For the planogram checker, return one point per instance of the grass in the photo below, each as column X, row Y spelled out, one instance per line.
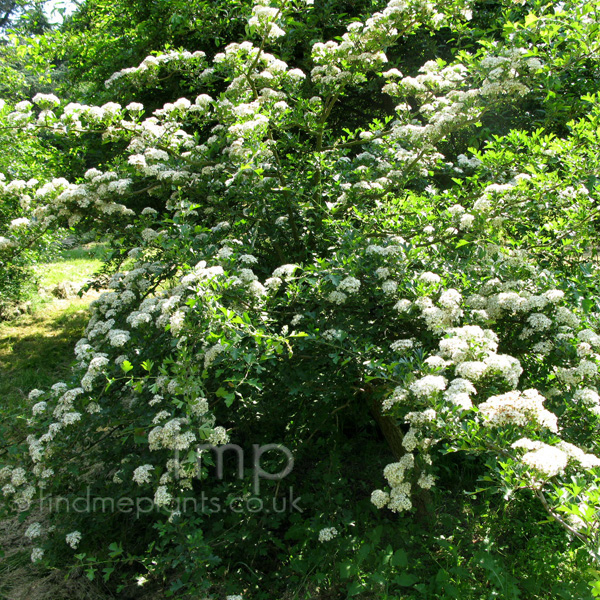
column 36, row 350
column 75, row 264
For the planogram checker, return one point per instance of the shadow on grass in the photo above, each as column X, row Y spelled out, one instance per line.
column 36, row 351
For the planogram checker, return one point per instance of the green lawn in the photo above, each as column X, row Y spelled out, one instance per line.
column 36, row 350
column 75, row 264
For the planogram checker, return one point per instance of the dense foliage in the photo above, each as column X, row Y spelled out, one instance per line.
column 377, row 262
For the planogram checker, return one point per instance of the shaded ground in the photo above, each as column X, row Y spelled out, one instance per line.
column 36, row 351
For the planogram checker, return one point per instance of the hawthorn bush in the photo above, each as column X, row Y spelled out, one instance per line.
column 409, row 322
column 30, row 159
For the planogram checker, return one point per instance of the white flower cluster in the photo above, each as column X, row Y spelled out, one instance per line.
column 470, row 342
column 360, row 48
column 544, row 459
column 264, row 20
column 73, row 539
column 398, row 499
column 6, row 243
column 142, row 474
column 402, row 345
column 389, row 287
column 148, row 68
column 218, row 436
column 398, row 396
column 332, row 335
column 211, row 354
column 421, row 418
column 162, row 497
column 34, row 530
column 426, row 481
column 518, row 408
column 37, row 554
column 395, row 472
column 380, row 498
column 118, row 337
column 410, row 440
column 350, row 285
column 427, row 386
column 327, row 534
column 459, row 393
column 508, row 367
column 442, row 317
column 588, row 397
column 337, row 297
column 578, row 456
column 171, row 436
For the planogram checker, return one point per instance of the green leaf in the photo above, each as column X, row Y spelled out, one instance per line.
column 139, row 437
column 126, row 366
column 356, row 587
column 115, row 549
column 530, row 19
column 228, row 396
column 405, row 580
column 347, row 570
column 363, row 553
column 399, row 559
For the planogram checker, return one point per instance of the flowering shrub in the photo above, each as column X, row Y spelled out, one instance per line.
column 284, row 270
column 30, row 158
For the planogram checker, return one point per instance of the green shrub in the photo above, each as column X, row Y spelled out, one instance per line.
column 376, row 325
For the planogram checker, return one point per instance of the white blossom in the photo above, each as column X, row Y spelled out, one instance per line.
column 327, row 534
column 73, row 539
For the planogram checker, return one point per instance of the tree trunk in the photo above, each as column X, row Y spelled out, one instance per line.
column 394, row 436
